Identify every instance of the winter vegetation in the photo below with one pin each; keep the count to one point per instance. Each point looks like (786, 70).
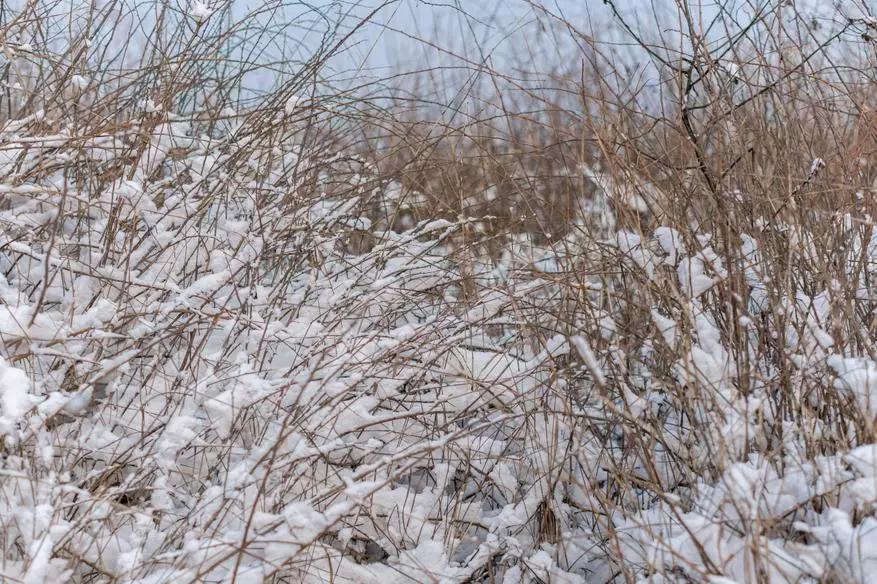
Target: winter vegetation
(268, 320)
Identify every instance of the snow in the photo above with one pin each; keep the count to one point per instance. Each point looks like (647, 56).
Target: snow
(15, 396)
(200, 11)
(79, 83)
(589, 358)
(202, 381)
(671, 243)
(857, 376)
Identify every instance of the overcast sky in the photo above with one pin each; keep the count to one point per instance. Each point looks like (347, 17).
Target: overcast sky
(418, 34)
(411, 35)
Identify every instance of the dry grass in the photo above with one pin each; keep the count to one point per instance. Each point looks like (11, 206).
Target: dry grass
(595, 329)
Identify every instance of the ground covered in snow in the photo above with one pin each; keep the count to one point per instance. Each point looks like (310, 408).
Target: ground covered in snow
(205, 380)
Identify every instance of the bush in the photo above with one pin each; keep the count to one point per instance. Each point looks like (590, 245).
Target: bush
(308, 334)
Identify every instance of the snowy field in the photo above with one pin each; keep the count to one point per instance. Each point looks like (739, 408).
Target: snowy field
(234, 352)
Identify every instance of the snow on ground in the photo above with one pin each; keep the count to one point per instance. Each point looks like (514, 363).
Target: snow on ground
(201, 384)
